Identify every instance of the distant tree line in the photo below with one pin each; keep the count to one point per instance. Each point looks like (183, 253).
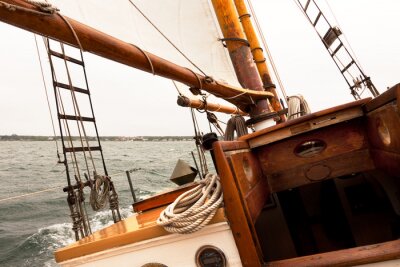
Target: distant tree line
(15, 137)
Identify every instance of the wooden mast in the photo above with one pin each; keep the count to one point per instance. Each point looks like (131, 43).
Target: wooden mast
(27, 16)
(258, 55)
(239, 52)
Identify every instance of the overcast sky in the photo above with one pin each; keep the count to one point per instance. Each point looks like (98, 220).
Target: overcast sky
(131, 103)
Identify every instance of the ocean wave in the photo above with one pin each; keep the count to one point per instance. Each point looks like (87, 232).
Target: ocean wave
(39, 248)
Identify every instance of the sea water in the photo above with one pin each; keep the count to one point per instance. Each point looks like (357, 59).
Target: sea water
(34, 226)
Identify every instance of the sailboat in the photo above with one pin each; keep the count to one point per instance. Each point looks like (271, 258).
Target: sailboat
(303, 189)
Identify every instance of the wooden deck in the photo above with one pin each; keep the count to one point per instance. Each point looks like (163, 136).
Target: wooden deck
(136, 228)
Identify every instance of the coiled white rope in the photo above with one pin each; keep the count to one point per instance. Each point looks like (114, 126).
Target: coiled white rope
(297, 107)
(194, 209)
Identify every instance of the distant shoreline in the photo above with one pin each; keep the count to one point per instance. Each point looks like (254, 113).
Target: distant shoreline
(15, 137)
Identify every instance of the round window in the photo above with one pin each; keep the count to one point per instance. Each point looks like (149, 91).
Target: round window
(210, 256)
(309, 148)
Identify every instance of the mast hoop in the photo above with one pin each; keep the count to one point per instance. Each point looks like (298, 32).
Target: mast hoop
(260, 61)
(234, 39)
(247, 15)
(256, 48)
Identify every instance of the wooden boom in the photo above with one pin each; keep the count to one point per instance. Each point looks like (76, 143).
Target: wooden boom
(27, 16)
(184, 101)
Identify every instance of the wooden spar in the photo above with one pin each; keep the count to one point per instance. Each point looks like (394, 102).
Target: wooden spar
(184, 101)
(258, 55)
(239, 51)
(26, 16)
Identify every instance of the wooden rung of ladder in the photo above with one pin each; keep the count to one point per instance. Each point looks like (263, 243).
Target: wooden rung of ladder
(307, 4)
(70, 59)
(347, 67)
(337, 49)
(74, 88)
(318, 17)
(75, 118)
(81, 149)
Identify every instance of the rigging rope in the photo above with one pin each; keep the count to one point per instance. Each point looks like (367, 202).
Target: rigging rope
(31, 194)
(200, 151)
(65, 123)
(329, 49)
(44, 6)
(47, 97)
(194, 209)
(345, 36)
(213, 120)
(166, 38)
(235, 123)
(268, 52)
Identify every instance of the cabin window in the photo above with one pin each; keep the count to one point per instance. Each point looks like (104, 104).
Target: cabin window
(309, 148)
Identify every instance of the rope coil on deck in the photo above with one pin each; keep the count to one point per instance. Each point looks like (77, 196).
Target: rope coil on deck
(194, 209)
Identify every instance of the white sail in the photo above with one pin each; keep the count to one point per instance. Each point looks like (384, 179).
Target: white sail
(189, 24)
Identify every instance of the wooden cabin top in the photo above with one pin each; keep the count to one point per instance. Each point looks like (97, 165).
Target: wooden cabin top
(138, 227)
(306, 123)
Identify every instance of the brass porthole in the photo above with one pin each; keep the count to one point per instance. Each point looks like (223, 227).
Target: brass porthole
(210, 256)
(309, 148)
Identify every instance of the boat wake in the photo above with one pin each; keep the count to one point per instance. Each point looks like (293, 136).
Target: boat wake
(38, 249)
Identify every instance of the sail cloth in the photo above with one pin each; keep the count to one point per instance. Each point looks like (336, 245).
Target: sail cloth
(189, 24)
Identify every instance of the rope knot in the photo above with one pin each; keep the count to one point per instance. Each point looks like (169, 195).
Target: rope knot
(44, 6)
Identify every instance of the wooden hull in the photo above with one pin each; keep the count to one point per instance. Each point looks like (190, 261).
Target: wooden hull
(286, 203)
(325, 183)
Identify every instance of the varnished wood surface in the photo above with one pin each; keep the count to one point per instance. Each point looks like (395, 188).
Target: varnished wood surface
(162, 199)
(384, 128)
(348, 257)
(136, 228)
(258, 55)
(306, 123)
(383, 122)
(236, 212)
(239, 52)
(346, 152)
(386, 97)
(96, 42)
(253, 185)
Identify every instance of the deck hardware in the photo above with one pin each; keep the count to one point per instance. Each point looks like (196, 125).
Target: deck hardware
(210, 256)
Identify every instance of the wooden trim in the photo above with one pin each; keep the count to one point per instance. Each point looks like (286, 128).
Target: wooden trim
(162, 199)
(347, 257)
(388, 96)
(387, 161)
(139, 227)
(306, 123)
(253, 185)
(307, 126)
(249, 252)
(346, 152)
